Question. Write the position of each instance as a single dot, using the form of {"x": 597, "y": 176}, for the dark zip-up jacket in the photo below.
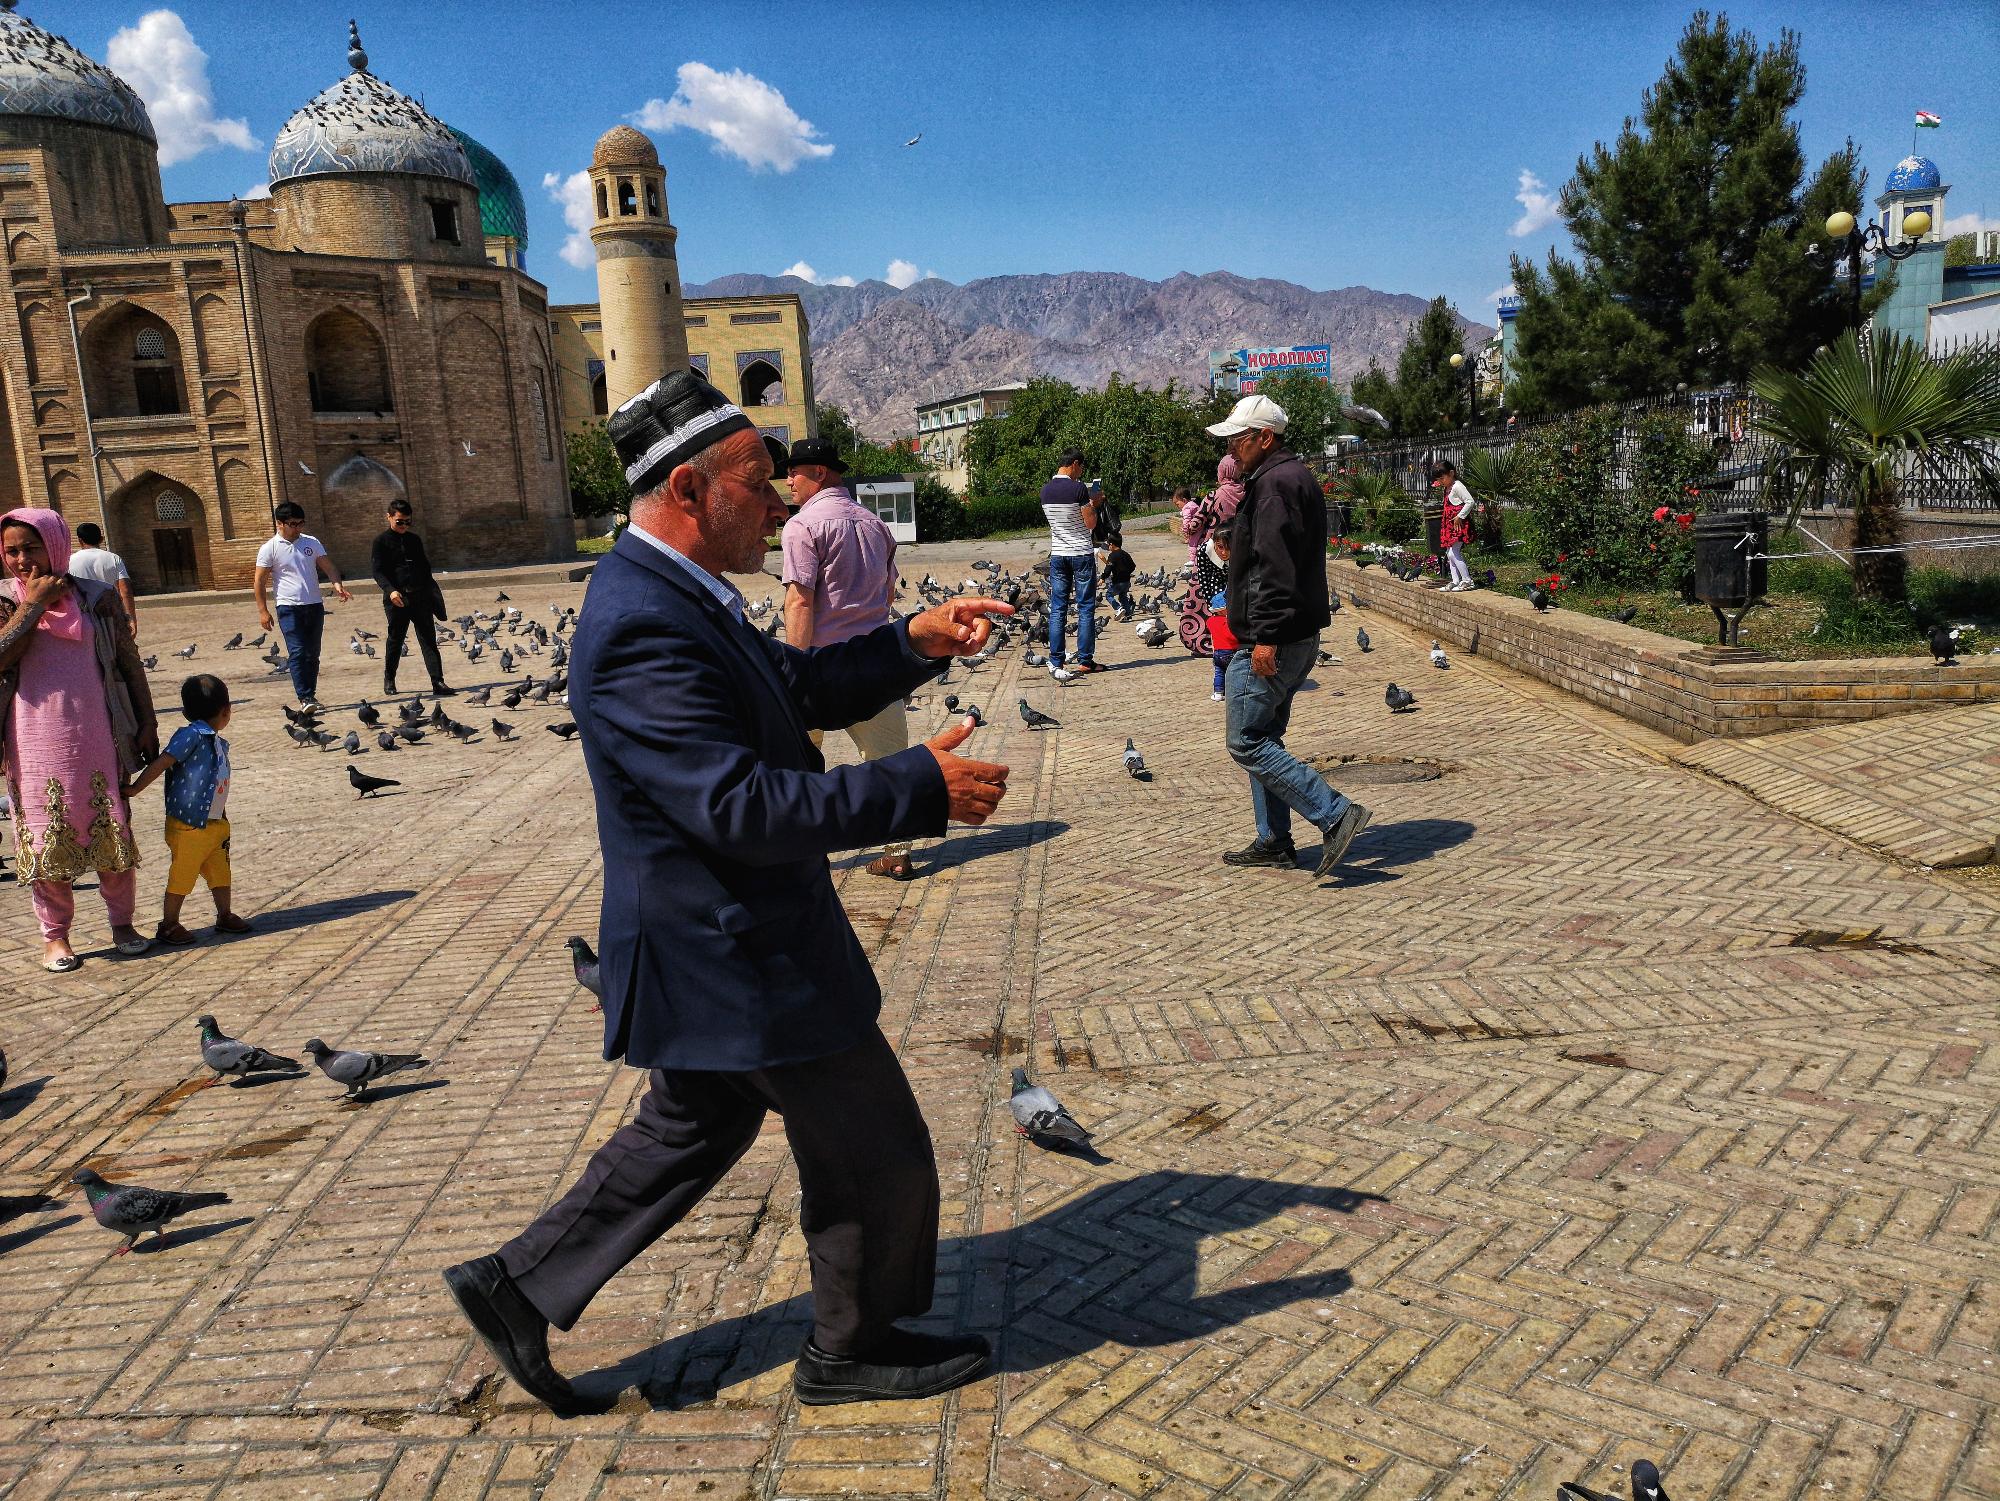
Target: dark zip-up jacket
{"x": 1277, "y": 559}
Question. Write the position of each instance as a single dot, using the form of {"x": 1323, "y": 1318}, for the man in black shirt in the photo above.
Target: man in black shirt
{"x": 410, "y": 596}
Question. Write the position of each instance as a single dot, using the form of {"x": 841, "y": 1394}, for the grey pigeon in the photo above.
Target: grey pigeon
{"x": 149, "y": 663}
{"x": 1537, "y": 598}
{"x": 239, "y": 1060}
{"x": 358, "y": 1070}
{"x": 352, "y": 742}
{"x": 410, "y": 732}
{"x": 1399, "y": 700}
{"x": 386, "y": 740}
{"x": 299, "y": 736}
{"x": 1156, "y": 633}
{"x": 1438, "y": 658}
{"x": 951, "y": 703}
{"x": 1361, "y": 638}
{"x": 583, "y": 962}
{"x": 367, "y": 713}
{"x": 1040, "y": 1116}
{"x": 483, "y": 697}
{"x": 131, "y": 1210}
{"x": 256, "y": 640}
{"x": 502, "y": 731}
{"x": 1135, "y": 764}
{"x": 1624, "y": 616}
{"x": 366, "y": 785}
{"x": 506, "y": 660}
{"x": 566, "y": 730}
{"x": 186, "y": 653}
{"x": 321, "y": 738}
{"x": 233, "y": 642}
{"x": 1035, "y": 719}
{"x": 1646, "y": 1481}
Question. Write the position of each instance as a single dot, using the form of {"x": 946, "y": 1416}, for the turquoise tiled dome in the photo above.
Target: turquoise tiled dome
{"x": 1914, "y": 174}
{"x": 502, "y": 209}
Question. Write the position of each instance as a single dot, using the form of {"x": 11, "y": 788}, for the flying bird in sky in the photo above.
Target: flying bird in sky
{"x": 914, "y": 139}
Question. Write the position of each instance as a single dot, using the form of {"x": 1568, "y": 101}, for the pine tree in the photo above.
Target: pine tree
{"x": 1692, "y": 230}
{"x": 1430, "y": 393}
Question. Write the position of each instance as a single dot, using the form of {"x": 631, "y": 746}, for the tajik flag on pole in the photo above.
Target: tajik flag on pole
{"x": 1926, "y": 119}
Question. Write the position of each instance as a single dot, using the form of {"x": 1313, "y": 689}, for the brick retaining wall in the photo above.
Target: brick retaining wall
{"x": 1674, "y": 686}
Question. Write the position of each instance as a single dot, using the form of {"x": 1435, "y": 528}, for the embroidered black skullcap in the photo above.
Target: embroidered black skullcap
{"x": 667, "y": 424}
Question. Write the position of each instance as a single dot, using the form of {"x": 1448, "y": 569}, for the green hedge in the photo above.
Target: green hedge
{"x": 943, "y": 517}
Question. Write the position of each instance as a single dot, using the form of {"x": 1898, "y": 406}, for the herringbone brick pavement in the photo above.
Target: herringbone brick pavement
{"x": 1596, "y": 1111}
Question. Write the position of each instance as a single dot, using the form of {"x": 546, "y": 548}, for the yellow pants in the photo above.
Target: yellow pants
{"x": 197, "y": 852}
{"x": 884, "y": 735}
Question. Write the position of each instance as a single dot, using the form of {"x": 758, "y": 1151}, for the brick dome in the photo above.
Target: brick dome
{"x": 622, "y": 146}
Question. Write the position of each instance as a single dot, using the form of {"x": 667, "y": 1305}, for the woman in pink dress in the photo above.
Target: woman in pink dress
{"x": 76, "y": 723}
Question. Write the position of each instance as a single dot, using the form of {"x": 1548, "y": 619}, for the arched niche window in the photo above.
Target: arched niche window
{"x": 170, "y": 508}
{"x": 653, "y": 199}
{"x": 346, "y": 369}
{"x": 760, "y": 382}
{"x": 628, "y": 198}
{"x": 600, "y": 400}
{"x": 133, "y": 360}
{"x": 603, "y": 208}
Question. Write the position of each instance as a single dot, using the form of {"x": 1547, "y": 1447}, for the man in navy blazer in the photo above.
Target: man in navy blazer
{"x": 728, "y": 965}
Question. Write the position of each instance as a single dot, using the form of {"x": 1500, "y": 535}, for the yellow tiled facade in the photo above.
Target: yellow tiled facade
{"x": 744, "y": 345}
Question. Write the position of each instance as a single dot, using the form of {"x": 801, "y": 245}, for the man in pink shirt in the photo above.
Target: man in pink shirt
{"x": 840, "y": 577}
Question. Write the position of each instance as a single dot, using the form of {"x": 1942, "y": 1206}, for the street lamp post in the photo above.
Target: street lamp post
{"x": 1851, "y": 240}
{"x": 1460, "y": 362}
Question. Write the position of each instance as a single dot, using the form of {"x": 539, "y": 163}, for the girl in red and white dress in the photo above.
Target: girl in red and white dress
{"x": 1457, "y": 528}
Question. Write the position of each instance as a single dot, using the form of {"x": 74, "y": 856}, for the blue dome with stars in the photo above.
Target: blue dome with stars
{"x": 1914, "y": 174}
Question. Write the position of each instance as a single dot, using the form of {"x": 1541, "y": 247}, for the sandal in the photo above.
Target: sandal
{"x": 895, "y": 867}
{"x": 66, "y": 964}
{"x": 230, "y": 922}
{"x": 174, "y": 935}
{"x": 131, "y": 948}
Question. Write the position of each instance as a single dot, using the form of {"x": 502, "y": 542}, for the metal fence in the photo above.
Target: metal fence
{"x": 1745, "y": 478}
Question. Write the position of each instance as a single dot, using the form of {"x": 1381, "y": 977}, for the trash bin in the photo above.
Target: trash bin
{"x": 1730, "y": 572}
{"x": 1434, "y": 531}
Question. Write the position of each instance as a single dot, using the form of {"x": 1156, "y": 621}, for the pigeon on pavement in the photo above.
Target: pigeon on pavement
{"x": 356, "y": 1071}
{"x": 1438, "y": 659}
{"x": 1361, "y": 638}
{"x": 566, "y": 730}
{"x": 502, "y": 731}
{"x": 411, "y": 733}
{"x": 1035, "y": 719}
{"x": 131, "y": 1210}
{"x": 186, "y": 653}
{"x": 233, "y": 642}
{"x": 1040, "y": 1116}
{"x": 1944, "y": 646}
{"x": 386, "y": 740}
{"x": 352, "y": 742}
{"x": 1398, "y": 699}
{"x": 256, "y": 640}
{"x": 1135, "y": 764}
{"x": 1537, "y": 598}
{"x": 1156, "y": 634}
{"x": 367, "y": 713}
{"x": 239, "y": 1060}
{"x": 482, "y": 698}
{"x": 1646, "y": 1481}
{"x": 583, "y": 962}
{"x": 366, "y": 785}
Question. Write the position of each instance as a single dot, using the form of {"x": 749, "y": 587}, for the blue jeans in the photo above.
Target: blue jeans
{"x": 1221, "y": 659}
{"x": 1258, "y": 709}
{"x": 302, "y": 626}
{"x": 1073, "y": 579}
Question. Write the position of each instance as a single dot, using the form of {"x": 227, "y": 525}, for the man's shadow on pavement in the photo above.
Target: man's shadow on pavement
{"x": 1119, "y": 1265}
{"x": 958, "y": 847}
{"x": 311, "y": 914}
{"x": 1372, "y": 858}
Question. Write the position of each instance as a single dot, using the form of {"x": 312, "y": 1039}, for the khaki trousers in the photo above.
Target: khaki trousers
{"x": 884, "y": 735}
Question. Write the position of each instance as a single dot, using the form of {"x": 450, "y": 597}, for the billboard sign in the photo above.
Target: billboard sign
{"x": 1259, "y": 365}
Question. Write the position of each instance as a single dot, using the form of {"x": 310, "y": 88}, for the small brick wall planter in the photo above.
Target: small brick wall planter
{"x": 1690, "y": 692}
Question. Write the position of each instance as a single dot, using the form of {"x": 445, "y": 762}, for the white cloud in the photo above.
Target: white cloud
{"x": 805, "y": 272}
{"x": 573, "y": 193}
{"x": 903, "y": 274}
{"x": 1967, "y": 224}
{"x": 742, "y": 114}
{"x": 256, "y": 190}
{"x": 1538, "y": 205}
{"x": 159, "y": 58}
{"x": 1498, "y": 292}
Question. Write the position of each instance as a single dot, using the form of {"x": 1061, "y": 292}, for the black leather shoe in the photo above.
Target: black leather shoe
{"x": 1257, "y": 852}
{"x": 904, "y": 1365}
{"x": 516, "y": 1333}
{"x": 1333, "y": 847}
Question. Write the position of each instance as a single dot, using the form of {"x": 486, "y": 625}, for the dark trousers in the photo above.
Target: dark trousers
{"x": 868, "y": 1185}
{"x": 302, "y": 626}
{"x": 401, "y": 619}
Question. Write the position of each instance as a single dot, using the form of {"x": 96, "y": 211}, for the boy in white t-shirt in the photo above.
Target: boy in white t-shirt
{"x": 93, "y": 560}
{"x": 294, "y": 562}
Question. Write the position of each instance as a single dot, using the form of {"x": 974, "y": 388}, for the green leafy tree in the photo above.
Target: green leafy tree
{"x": 1312, "y": 411}
{"x": 1692, "y": 230}
{"x": 1014, "y": 454}
{"x": 1860, "y": 417}
{"x": 1430, "y": 393}
{"x": 1961, "y": 250}
{"x": 596, "y": 479}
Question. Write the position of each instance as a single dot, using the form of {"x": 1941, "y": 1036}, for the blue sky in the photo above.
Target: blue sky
{"x": 1332, "y": 145}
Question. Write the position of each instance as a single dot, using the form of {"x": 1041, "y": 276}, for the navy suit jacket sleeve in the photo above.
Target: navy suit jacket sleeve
{"x": 666, "y": 708}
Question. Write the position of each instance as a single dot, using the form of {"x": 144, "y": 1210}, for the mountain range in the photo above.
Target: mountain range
{"x": 878, "y": 350}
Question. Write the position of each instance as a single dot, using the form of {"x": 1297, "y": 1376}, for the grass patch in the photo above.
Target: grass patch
{"x": 590, "y": 546}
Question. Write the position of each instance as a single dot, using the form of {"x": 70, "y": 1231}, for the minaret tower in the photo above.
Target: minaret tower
{"x": 638, "y": 278}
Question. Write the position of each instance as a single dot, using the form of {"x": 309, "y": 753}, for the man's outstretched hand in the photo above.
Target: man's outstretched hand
{"x": 973, "y": 788}
{"x": 957, "y": 628}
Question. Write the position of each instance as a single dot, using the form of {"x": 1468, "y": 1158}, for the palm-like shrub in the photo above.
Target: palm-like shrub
{"x": 1493, "y": 475}
{"x": 1863, "y": 415}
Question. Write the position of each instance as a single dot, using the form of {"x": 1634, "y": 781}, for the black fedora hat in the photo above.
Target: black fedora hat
{"x": 818, "y": 451}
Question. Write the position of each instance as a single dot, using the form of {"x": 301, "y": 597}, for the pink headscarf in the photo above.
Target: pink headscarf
{"x": 66, "y": 619}
{"x": 1228, "y": 490}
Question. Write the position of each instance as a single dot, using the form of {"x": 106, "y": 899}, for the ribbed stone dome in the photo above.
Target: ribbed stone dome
{"x": 1914, "y": 174}
{"x": 502, "y": 209}
{"x": 41, "y": 74}
{"x": 622, "y": 146}
{"x": 360, "y": 124}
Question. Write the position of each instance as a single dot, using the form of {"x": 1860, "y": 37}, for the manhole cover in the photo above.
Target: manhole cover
{"x": 1377, "y": 771}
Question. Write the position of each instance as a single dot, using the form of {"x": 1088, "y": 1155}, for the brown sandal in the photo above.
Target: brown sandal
{"x": 230, "y": 922}
{"x": 173, "y": 935}
{"x": 895, "y": 867}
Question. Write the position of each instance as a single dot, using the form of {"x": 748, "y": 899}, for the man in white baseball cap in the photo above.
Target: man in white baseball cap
{"x": 1277, "y": 592}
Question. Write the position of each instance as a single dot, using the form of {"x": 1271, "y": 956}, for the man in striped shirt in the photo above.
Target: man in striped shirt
{"x": 1072, "y": 567}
